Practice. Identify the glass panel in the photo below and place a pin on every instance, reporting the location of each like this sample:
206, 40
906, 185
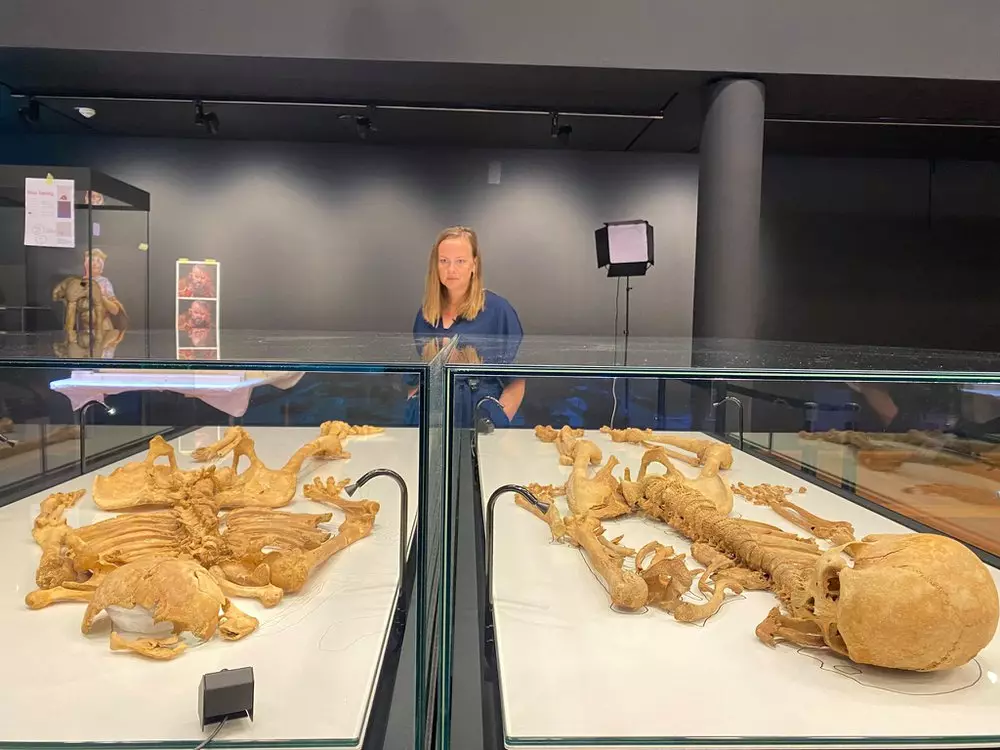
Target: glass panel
323, 591
725, 356
122, 237
929, 452
43, 429
594, 638
347, 350
432, 522
30, 273
45, 286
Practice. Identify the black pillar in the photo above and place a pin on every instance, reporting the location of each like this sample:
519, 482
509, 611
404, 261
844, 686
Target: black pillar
727, 261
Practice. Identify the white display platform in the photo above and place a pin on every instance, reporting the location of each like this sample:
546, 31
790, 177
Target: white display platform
577, 674
316, 655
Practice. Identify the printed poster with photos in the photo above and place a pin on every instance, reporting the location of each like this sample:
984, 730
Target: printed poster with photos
49, 212
198, 283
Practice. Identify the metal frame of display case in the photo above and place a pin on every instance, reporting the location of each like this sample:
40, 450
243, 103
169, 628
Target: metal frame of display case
722, 391
414, 575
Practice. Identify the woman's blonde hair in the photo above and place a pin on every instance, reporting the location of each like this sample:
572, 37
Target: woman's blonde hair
474, 301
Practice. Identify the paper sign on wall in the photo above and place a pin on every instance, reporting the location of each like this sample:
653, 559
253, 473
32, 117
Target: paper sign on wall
49, 213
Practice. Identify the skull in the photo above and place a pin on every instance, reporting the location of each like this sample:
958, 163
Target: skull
921, 602
178, 593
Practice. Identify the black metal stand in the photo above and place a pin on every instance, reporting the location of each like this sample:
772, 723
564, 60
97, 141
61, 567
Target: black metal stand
628, 308
628, 383
492, 711
84, 410
484, 425
375, 734
490, 505
739, 407
404, 514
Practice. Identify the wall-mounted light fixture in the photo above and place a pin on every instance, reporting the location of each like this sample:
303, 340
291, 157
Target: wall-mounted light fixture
558, 131
30, 112
207, 120
364, 125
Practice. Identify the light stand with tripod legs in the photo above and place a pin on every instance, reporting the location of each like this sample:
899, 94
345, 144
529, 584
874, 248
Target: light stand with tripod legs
626, 248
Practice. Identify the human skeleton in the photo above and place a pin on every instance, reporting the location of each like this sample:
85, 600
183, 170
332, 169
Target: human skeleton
920, 602
177, 567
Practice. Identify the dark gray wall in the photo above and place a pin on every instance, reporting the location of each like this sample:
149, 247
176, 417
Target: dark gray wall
918, 38
315, 237
884, 252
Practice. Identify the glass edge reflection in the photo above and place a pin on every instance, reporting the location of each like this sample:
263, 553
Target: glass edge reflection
714, 373
976, 741
176, 364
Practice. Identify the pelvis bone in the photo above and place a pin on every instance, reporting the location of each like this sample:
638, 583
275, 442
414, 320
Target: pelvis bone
143, 483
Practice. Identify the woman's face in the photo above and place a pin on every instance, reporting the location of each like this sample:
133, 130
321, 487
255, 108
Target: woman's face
456, 265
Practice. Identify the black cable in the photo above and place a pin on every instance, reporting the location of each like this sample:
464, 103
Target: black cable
646, 127
213, 734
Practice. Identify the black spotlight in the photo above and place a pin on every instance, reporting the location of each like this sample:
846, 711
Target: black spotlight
364, 125
30, 112
207, 120
560, 132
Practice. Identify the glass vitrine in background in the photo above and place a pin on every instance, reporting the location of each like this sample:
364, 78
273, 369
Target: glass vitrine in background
41, 278
287, 480
926, 451
593, 612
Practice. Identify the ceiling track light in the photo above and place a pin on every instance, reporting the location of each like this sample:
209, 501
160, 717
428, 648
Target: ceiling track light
399, 106
559, 132
207, 120
30, 112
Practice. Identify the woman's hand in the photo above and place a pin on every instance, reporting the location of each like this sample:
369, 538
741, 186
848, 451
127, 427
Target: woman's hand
512, 397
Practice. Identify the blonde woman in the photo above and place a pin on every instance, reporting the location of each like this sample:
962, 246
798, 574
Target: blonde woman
456, 302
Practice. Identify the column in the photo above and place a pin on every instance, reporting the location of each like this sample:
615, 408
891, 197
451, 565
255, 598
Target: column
728, 242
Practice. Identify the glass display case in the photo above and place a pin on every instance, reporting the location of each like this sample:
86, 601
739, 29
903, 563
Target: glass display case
61, 228
259, 511
723, 544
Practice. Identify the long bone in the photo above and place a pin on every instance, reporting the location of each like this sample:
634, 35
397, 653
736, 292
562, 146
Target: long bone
628, 590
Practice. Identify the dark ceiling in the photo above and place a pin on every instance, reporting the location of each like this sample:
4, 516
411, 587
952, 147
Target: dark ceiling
265, 99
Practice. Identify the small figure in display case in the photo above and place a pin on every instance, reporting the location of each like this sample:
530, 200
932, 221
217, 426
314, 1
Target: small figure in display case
91, 305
